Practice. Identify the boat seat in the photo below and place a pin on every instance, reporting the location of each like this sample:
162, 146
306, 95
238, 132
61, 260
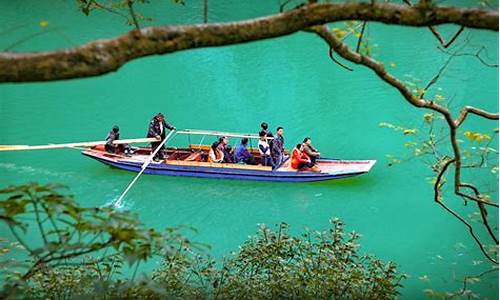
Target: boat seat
194, 157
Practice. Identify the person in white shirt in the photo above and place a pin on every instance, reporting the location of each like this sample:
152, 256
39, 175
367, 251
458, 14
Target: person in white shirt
264, 150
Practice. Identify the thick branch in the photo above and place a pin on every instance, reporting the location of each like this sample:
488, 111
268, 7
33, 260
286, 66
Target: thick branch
104, 56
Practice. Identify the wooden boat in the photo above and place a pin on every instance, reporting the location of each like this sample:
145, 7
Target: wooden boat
191, 161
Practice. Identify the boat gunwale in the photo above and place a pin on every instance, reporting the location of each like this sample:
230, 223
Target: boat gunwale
216, 170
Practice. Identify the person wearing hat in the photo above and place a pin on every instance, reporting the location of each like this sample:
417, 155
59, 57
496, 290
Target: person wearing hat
264, 128
157, 128
113, 135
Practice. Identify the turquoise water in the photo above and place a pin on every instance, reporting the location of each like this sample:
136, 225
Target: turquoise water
287, 82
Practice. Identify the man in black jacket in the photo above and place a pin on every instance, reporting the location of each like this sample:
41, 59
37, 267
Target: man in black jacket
113, 135
157, 128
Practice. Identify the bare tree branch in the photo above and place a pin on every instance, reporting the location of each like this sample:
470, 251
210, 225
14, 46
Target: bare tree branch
283, 5
439, 200
205, 11
113, 11
104, 56
466, 278
473, 110
476, 55
361, 37
443, 43
435, 32
330, 53
343, 50
436, 77
130, 5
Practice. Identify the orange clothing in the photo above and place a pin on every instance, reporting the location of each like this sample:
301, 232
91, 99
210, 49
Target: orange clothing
299, 158
216, 157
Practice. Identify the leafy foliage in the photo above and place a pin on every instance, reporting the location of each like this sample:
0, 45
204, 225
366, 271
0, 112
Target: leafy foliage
83, 252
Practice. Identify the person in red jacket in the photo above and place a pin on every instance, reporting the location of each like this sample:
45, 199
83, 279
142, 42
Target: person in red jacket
300, 160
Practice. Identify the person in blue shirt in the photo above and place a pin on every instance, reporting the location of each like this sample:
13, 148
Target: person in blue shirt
241, 153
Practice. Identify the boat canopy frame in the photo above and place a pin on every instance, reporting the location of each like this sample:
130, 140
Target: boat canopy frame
219, 133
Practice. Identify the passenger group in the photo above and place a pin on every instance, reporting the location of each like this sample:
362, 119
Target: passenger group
270, 147
271, 151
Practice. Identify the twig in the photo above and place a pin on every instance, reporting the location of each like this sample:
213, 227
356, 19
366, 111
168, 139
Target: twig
130, 4
205, 11
443, 43
438, 200
330, 53
464, 288
436, 33
436, 77
477, 55
361, 36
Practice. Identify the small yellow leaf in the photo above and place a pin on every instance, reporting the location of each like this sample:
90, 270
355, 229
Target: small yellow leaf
392, 65
409, 131
439, 98
428, 117
340, 33
44, 23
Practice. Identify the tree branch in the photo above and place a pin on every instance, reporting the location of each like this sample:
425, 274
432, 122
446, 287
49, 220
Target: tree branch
469, 227
476, 55
343, 50
104, 56
470, 109
466, 278
130, 5
436, 33
330, 53
360, 39
443, 43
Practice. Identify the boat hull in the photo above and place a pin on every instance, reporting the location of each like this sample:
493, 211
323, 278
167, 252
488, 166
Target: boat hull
230, 171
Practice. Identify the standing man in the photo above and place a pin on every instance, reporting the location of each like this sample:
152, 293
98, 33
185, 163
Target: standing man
264, 128
277, 148
157, 128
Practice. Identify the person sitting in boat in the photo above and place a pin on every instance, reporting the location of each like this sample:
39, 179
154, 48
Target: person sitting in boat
241, 154
300, 160
215, 155
277, 148
156, 129
226, 149
112, 136
264, 150
312, 152
264, 127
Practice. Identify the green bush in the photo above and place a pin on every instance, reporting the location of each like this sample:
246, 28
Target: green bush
82, 252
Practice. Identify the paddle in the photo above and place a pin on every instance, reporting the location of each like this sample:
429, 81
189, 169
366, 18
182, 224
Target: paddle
143, 168
71, 145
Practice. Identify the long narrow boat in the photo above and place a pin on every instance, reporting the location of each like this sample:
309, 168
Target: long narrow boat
190, 161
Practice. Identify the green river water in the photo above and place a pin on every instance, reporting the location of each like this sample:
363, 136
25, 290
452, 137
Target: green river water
287, 82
